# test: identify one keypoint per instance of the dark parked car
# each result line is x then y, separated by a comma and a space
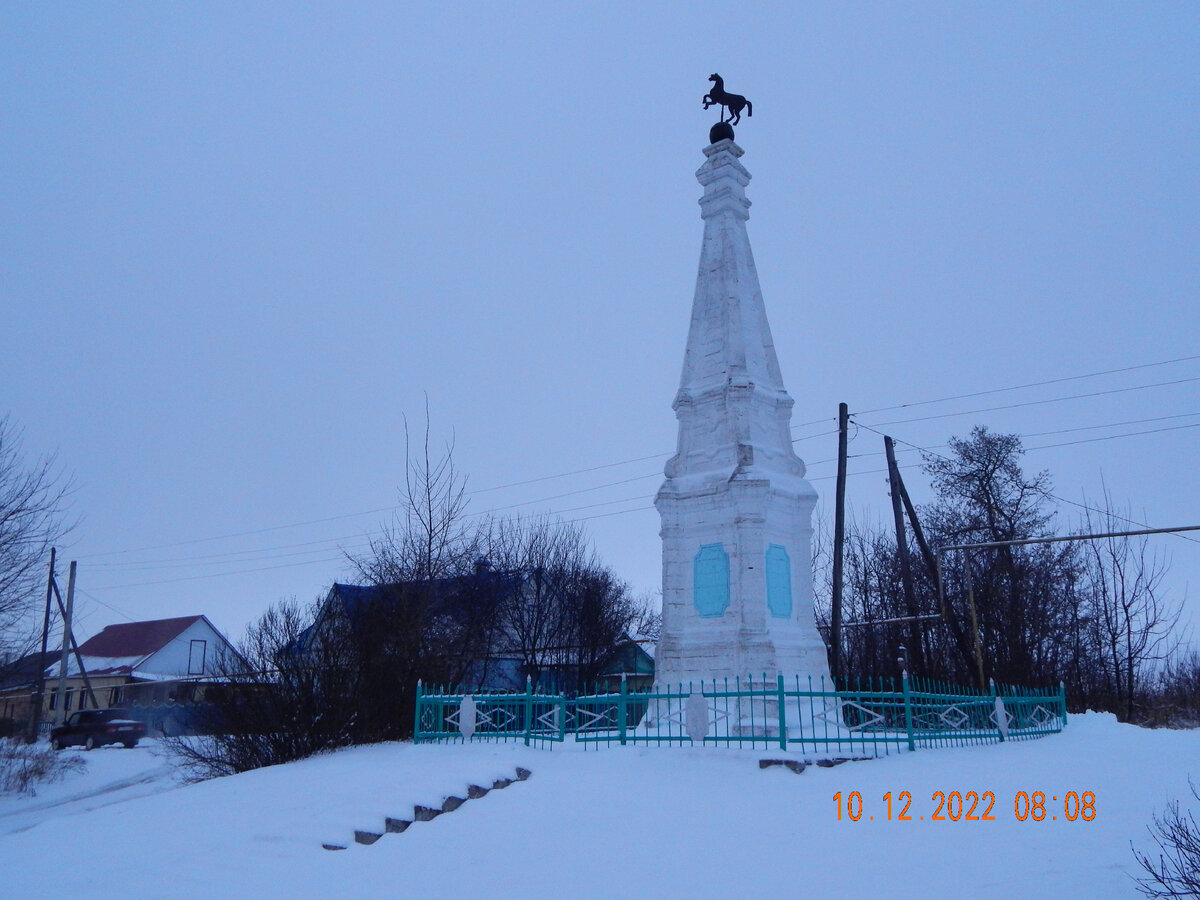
96, 727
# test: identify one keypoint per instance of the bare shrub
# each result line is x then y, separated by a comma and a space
1176, 871
282, 698
1174, 699
22, 766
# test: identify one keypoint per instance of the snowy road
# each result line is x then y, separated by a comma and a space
114, 775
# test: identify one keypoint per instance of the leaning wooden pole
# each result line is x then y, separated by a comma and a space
87, 682
916, 655
934, 561
60, 714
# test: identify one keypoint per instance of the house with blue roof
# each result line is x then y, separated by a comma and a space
483, 630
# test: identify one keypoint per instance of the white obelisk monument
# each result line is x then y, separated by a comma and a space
736, 509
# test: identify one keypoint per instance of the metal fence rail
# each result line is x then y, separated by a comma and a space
871, 719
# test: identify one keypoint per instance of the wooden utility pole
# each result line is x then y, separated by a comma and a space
915, 655
35, 714
974, 622
839, 539
60, 714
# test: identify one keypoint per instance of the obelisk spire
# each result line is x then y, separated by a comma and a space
729, 333
730, 359
736, 509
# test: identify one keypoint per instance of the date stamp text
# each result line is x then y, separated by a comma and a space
968, 806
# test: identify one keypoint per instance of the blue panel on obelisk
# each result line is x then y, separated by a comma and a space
711, 581
779, 582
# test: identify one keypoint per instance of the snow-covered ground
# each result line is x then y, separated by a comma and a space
677, 822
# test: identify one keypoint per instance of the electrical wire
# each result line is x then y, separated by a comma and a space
1032, 384
322, 547
273, 552
1048, 494
971, 412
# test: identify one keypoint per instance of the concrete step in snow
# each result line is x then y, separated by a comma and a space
392, 825
794, 765
798, 766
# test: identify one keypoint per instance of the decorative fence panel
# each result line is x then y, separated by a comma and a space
874, 719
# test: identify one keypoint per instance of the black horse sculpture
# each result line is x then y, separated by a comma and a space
735, 103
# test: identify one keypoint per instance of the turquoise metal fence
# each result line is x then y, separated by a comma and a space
866, 719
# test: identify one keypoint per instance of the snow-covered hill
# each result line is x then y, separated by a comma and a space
686, 823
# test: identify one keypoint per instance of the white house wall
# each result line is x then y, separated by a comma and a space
171, 661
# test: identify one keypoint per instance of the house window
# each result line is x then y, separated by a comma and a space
114, 696
54, 698
67, 699
196, 657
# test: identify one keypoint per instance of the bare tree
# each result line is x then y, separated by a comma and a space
33, 496
429, 606
647, 625
344, 670
1133, 621
546, 556
424, 618
1023, 594
600, 614
566, 611
428, 539
1092, 614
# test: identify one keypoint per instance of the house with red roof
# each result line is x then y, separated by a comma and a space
161, 662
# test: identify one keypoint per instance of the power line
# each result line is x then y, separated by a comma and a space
340, 556
313, 562
810, 437
588, 490
323, 546
1049, 494
623, 462
225, 556
1108, 437
971, 412
237, 534
116, 609
248, 556
392, 508
1020, 387
586, 470
1110, 425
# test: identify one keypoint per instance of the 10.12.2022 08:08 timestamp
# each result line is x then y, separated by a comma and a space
969, 806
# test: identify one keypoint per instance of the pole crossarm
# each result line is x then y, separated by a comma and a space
930, 617
1069, 537
984, 545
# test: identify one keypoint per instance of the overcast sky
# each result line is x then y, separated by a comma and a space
239, 243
